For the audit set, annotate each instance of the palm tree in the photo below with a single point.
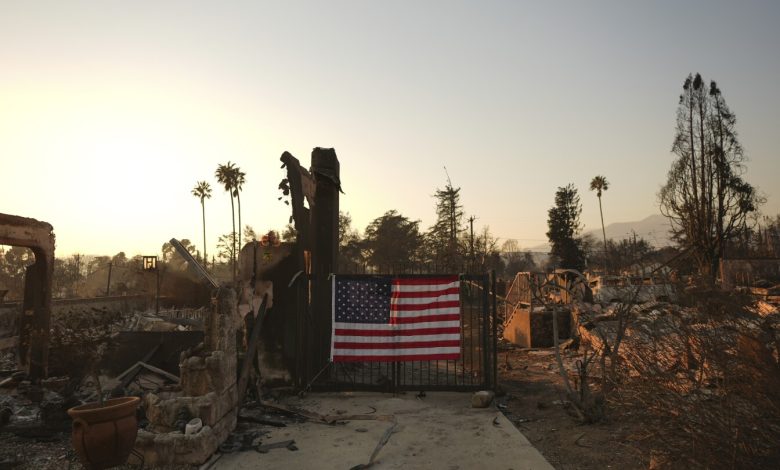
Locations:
(202, 191)
(238, 185)
(226, 177)
(600, 184)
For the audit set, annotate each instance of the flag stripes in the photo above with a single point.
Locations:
(396, 319)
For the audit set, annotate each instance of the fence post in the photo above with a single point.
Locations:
(485, 326)
(494, 331)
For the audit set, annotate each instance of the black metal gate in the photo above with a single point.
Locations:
(476, 369)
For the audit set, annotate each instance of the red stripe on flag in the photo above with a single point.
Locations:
(432, 293)
(414, 307)
(424, 281)
(423, 319)
(405, 357)
(411, 332)
(409, 345)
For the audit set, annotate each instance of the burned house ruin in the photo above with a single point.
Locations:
(32, 332)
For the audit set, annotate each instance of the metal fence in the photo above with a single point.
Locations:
(476, 369)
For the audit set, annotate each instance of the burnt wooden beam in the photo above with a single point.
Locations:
(251, 352)
(301, 185)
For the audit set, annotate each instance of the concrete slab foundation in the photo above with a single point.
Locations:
(438, 431)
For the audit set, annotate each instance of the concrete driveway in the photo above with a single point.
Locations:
(438, 431)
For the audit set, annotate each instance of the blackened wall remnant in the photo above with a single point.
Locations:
(35, 315)
(313, 255)
(266, 268)
(325, 240)
(300, 186)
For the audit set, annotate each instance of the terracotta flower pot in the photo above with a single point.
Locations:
(104, 436)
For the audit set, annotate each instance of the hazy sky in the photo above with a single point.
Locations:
(110, 111)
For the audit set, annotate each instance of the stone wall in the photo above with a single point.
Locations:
(208, 391)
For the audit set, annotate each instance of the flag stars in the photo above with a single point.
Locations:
(363, 301)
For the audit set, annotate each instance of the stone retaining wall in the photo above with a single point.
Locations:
(208, 391)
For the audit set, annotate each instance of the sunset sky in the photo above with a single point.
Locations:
(111, 111)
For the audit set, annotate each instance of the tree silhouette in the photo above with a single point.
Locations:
(350, 245)
(239, 178)
(705, 197)
(442, 237)
(202, 191)
(226, 176)
(564, 226)
(392, 242)
(225, 245)
(600, 184)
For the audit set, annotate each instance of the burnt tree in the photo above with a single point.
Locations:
(705, 197)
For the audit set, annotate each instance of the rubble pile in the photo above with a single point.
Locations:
(33, 414)
(706, 376)
(662, 337)
(87, 345)
(78, 336)
(169, 320)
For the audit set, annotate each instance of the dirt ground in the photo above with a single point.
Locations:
(51, 453)
(534, 401)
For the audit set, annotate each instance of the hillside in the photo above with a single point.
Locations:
(654, 229)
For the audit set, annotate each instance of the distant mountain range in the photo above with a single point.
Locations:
(654, 229)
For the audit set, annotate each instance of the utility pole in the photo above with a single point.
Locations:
(108, 284)
(471, 229)
(157, 297)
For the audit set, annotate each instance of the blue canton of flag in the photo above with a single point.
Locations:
(363, 301)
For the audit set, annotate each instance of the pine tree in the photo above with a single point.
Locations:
(443, 237)
(564, 225)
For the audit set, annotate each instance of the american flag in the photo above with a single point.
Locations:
(395, 319)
